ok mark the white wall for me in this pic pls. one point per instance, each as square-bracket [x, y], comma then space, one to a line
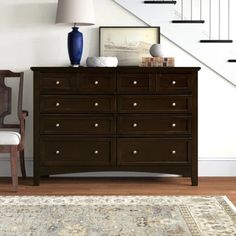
[29, 37]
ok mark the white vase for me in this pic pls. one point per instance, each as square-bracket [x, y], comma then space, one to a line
[156, 50]
[102, 62]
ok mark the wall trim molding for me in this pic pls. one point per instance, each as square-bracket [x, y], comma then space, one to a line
[208, 167]
[218, 159]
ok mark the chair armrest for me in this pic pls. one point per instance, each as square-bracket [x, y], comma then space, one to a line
[24, 113]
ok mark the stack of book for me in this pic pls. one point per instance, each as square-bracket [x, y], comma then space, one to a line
[157, 62]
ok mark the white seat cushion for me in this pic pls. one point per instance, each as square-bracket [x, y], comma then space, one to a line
[9, 138]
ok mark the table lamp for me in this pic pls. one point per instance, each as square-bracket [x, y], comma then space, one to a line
[77, 13]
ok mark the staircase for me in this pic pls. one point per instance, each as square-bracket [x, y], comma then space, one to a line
[200, 27]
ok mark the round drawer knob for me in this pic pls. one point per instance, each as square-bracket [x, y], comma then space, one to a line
[57, 82]
[57, 104]
[96, 104]
[135, 82]
[173, 152]
[135, 152]
[96, 125]
[173, 125]
[57, 152]
[96, 152]
[57, 125]
[173, 82]
[135, 104]
[173, 104]
[135, 125]
[96, 82]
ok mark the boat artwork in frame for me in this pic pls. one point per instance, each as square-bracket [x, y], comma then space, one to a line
[128, 44]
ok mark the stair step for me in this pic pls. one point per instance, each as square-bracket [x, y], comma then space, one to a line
[232, 60]
[216, 41]
[188, 21]
[160, 2]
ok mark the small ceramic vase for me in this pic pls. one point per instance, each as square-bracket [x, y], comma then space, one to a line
[156, 51]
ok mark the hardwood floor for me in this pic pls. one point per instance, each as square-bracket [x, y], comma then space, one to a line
[123, 186]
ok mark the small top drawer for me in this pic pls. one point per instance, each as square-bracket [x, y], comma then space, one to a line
[135, 83]
[97, 83]
[174, 83]
[54, 83]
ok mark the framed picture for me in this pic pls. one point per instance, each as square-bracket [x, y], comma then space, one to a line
[128, 44]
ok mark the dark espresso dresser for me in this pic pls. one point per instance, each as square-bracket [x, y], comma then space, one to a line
[115, 119]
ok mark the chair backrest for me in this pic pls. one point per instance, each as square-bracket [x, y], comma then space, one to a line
[6, 97]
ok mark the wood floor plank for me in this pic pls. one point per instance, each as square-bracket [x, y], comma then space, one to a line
[123, 186]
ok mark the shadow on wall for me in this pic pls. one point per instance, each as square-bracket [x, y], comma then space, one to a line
[28, 105]
[23, 15]
[91, 42]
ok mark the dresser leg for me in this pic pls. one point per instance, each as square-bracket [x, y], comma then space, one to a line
[194, 180]
[36, 180]
[45, 176]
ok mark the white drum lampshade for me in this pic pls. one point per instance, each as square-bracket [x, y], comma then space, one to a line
[79, 12]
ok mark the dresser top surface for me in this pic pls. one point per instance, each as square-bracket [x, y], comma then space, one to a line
[117, 69]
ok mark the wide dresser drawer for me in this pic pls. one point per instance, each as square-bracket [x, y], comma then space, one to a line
[140, 151]
[71, 83]
[153, 124]
[75, 151]
[84, 125]
[154, 104]
[77, 104]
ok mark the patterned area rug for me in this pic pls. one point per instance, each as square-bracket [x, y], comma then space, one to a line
[117, 216]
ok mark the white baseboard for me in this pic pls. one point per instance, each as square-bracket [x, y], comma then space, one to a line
[217, 167]
[207, 167]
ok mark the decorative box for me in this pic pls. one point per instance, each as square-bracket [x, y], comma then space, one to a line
[157, 62]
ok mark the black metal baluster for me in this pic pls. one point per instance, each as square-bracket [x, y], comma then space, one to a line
[200, 9]
[219, 20]
[228, 19]
[209, 19]
[230, 60]
[191, 9]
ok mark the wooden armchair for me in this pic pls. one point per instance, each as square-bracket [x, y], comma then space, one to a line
[11, 141]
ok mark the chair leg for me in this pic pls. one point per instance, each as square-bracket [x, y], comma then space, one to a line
[14, 173]
[22, 163]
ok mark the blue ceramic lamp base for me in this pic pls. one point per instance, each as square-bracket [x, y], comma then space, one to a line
[75, 46]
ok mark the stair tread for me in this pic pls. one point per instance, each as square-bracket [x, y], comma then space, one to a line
[160, 2]
[216, 41]
[188, 21]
